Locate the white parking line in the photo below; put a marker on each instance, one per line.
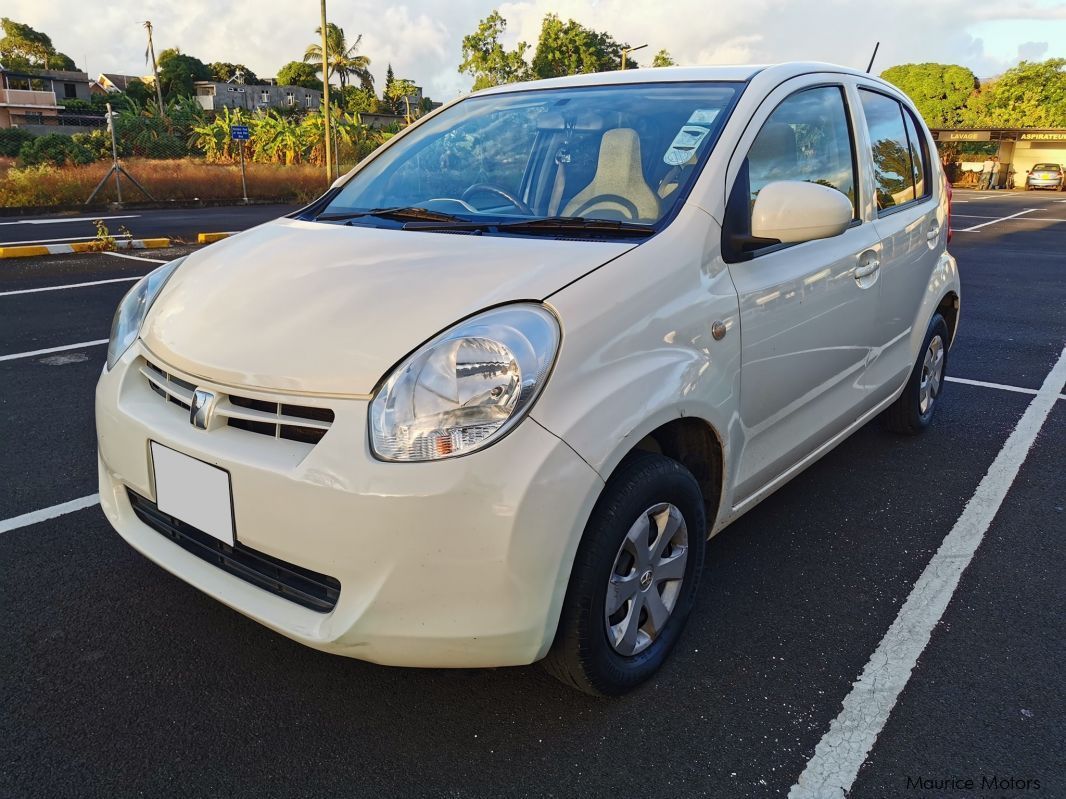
(998, 219)
(71, 286)
(64, 220)
(1000, 386)
(832, 769)
(26, 519)
(44, 241)
(16, 355)
(134, 257)
(1027, 219)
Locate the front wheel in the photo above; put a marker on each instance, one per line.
(912, 412)
(634, 579)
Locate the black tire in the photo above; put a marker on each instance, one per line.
(906, 415)
(581, 655)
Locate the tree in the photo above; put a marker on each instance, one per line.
(663, 59)
(569, 48)
(300, 73)
(485, 59)
(224, 71)
(939, 91)
(344, 61)
(358, 100)
(1030, 95)
(402, 90)
(178, 72)
(22, 47)
(139, 91)
(389, 78)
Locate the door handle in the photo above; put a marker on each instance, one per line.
(933, 233)
(868, 264)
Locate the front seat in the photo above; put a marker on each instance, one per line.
(617, 190)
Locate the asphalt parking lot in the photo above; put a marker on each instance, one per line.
(180, 224)
(117, 679)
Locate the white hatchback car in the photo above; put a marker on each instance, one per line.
(484, 402)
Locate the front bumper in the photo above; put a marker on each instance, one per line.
(462, 562)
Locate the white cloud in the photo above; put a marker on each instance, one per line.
(422, 39)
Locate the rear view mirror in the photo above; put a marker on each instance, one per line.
(793, 211)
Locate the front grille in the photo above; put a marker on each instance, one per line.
(303, 423)
(296, 584)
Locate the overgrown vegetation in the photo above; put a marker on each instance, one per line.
(182, 179)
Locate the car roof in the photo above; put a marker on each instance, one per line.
(731, 73)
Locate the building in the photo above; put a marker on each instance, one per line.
(215, 95)
(113, 82)
(23, 97)
(33, 96)
(1019, 149)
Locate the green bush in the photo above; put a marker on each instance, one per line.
(11, 141)
(97, 144)
(55, 149)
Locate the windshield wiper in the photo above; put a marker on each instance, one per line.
(546, 225)
(401, 213)
(557, 224)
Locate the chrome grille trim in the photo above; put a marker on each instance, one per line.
(303, 423)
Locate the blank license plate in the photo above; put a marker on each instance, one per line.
(194, 492)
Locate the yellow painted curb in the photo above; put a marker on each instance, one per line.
(29, 250)
(207, 238)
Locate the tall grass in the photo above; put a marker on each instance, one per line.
(178, 179)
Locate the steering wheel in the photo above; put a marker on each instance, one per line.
(488, 188)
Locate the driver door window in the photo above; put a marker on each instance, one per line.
(806, 138)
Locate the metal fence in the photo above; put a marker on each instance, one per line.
(183, 154)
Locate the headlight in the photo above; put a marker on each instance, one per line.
(467, 387)
(134, 307)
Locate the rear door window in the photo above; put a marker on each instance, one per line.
(893, 170)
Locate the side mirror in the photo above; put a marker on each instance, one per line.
(793, 211)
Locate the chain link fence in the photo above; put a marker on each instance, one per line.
(182, 154)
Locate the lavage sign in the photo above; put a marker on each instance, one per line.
(984, 783)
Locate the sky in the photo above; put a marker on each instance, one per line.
(422, 39)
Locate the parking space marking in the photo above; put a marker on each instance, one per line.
(134, 257)
(1000, 386)
(832, 769)
(1027, 219)
(44, 241)
(17, 355)
(63, 508)
(64, 220)
(71, 286)
(998, 219)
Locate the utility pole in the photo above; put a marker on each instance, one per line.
(325, 99)
(627, 50)
(155, 67)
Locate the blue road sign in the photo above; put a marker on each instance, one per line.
(239, 133)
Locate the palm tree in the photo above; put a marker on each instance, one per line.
(343, 60)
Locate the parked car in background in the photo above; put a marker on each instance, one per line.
(484, 402)
(1045, 176)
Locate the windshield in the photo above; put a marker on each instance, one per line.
(1047, 167)
(568, 158)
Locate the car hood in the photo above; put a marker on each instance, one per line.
(328, 309)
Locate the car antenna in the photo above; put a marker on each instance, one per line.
(870, 66)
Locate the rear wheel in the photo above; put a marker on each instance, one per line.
(634, 579)
(912, 412)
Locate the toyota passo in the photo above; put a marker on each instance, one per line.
(484, 402)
